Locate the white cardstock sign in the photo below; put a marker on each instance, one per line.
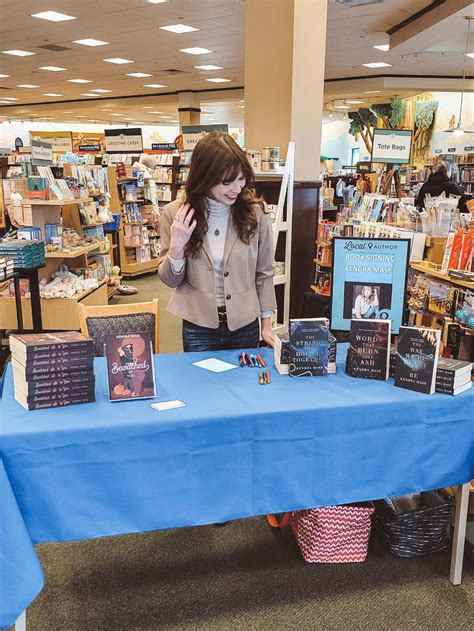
(123, 140)
(392, 146)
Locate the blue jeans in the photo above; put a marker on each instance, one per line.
(199, 338)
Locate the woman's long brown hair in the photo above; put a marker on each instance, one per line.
(218, 158)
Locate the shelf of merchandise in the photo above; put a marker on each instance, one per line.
(318, 262)
(74, 253)
(58, 202)
(316, 291)
(436, 274)
(58, 314)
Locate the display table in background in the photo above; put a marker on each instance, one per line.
(238, 449)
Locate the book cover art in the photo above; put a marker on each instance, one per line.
(129, 366)
(368, 355)
(309, 347)
(417, 358)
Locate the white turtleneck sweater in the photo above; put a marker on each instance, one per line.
(217, 221)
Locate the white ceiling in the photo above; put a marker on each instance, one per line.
(131, 28)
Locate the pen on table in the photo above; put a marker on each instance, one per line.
(250, 360)
(261, 379)
(267, 377)
(262, 362)
(255, 360)
(243, 361)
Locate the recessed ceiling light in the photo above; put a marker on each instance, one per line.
(118, 60)
(196, 50)
(154, 85)
(148, 107)
(27, 85)
(372, 91)
(114, 114)
(168, 117)
(154, 112)
(377, 64)
(4, 76)
(52, 94)
(91, 120)
(470, 55)
(101, 90)
(80, 116)
(53, 16)
(157, 1)
(90, 42)
(179, 28)
(88, 94)
(67, 112)
(354, 101)
(79, 81)
(218, 80)
(18, 53)
(10, 98)
(138, 75)
(384, 47)
(52, 68)
(209, 67)
(341, 107)
(242, 107)
(128, 119)
(241, 100)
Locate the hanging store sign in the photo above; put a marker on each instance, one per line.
(368, 280)
(163, 146)
(438, 151)
(90, 148)
(129, 140)
(468, 148)
(451, 149)
(61, 141)
(41, 153)
(391, 146)
(192, 134)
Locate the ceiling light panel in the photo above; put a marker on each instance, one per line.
(53, 16)
(209, 67)
(218, 80)
(118, 60)
(52, 68)
(195, 50)
(4, 76)
(52, 94)
(377, 64)
(88, 94)
(157, 1)
(27, 85)
(384, 47)
(138, 75)
(90, 42)
(101, 90)
(18, 53)
(179, 28)
(154, 85)
(79, 81)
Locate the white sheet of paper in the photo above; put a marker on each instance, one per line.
(214, 365)
(168, 405)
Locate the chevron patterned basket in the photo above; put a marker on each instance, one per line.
(333, 534)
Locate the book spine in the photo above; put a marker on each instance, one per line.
(63, 346)
(37, 397)
(42, 405)
(58, 365)
(53, 385)
(72, 354)
(41, 374)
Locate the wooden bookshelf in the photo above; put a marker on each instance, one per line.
(437, 274)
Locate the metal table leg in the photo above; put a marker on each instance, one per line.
(459, 538)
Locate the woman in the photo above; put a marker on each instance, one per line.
(367, 303)
(437, 183)
(217, 251)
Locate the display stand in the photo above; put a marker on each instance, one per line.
(389, 175)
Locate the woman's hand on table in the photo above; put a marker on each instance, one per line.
(181, 230)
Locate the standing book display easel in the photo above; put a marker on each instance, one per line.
(284, 225)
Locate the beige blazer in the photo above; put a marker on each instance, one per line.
(248, 276)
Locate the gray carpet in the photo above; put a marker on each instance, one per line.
(242, 576)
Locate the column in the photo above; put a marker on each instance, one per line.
(284, 78)
(189, 109)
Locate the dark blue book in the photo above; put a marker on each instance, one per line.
(368, 355)
(309, 347)
(417, 358)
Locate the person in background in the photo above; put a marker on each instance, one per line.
(217, 252)
(437, 183)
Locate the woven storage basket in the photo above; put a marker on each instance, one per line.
(414, 532)
(333, 534)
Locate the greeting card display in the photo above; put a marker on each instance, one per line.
(129, 360)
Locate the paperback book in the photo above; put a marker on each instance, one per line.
(129, 361)
(368, 356)
(309, 347)
(417, 358)
(34, 343)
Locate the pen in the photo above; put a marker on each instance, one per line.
(267, 377)
(242, 359)
(251, 362)
(255, 359)
(261, 379)
(262, 362)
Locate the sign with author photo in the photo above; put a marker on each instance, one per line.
(129, 366)
(368, 280)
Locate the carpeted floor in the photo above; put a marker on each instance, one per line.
(242, 576)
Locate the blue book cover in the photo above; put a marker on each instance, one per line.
(309, 347)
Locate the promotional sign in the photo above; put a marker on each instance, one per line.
(89, 148)
(192, 134)
(88, 142)
(127, 140)
(392, 146)
(61, 141)
(163, 146)
(368, 280)
(41, 153)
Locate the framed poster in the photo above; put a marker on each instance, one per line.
(369, 279)
(392, 146)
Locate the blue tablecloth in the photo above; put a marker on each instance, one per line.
(237, 449)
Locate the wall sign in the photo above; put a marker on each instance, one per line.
(468, 148)
(451, 149)
(41, 153)
(163, 146)
(391, 146)
(438, 151)
(127, 140)
(89, 148)
(192, 134)
(368, 280)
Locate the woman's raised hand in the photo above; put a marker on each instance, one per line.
(181, 230)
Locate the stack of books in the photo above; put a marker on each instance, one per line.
(453, 376)
(52, 369)
(6, 267)
(25, 254)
